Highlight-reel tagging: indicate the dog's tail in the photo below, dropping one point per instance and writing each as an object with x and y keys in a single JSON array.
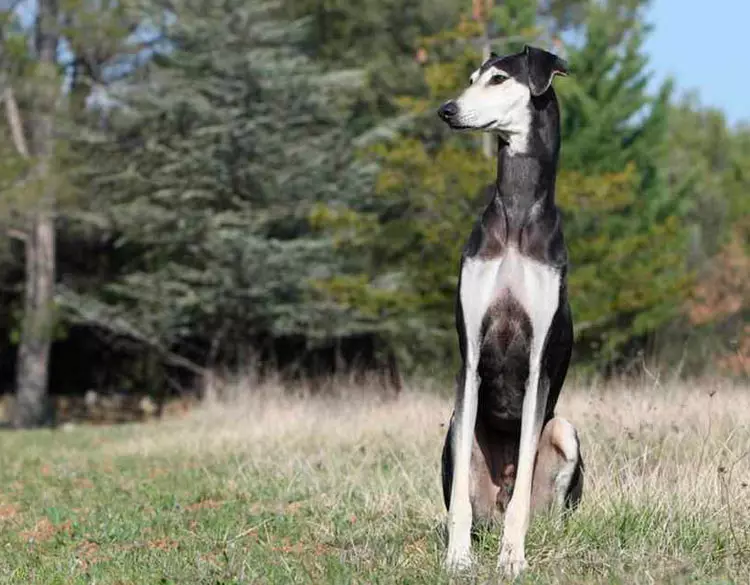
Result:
[{"x": 575, "y": 489}]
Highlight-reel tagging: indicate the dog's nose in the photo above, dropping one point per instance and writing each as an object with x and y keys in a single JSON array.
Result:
[{"x": 448, "y": 110}]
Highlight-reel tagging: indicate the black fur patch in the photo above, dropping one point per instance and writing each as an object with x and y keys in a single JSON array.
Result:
[{"x": 504, "y": 363}]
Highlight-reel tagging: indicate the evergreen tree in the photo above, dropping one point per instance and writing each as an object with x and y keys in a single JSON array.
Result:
[
  {"x": 624, "y": 224},
  {"x": 207, "y": 171},
  {"x": 382, "y": 38},
  {"x": 712, "y": 160},
  {"x": 409, "y": 235}
]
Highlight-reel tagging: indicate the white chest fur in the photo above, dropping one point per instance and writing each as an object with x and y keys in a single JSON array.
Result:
[{"x": 534, "y": 285}]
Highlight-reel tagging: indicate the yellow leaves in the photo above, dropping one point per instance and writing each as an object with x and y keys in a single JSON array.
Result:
[
  {"x": 358, "y": 293},
  {"x": 725, "y": 290},
  {"x": 322, "y": 216},
  {"x": 624, "y": 270},
  {"x": 481, "y": 9},
  {"x": 349, "y": 228},
  {"x": 443, "y": 79},
  {"x": 439, "y": 186},
  {"x": 597, "y": 193},
  {"x": 414, "y": 105},
  {"x": 404, "y": 168},
  {"x": 530, "y": 32},
  {"x": 453, "y": 55},
  {"x": 466, "y": 29}
]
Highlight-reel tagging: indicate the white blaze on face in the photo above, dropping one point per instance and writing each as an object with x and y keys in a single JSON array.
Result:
[{"x": 495, "y": 102}]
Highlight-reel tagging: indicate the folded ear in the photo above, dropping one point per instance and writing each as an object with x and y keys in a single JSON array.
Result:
[{"x": 542, "y": 67}]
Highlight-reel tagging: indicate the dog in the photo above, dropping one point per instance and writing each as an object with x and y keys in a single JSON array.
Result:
[{"x": 505, "y": 452}]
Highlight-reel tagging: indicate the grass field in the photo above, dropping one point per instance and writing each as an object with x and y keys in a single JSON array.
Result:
[{"x": 346, "y": 490}]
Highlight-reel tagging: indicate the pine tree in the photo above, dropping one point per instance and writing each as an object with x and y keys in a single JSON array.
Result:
[
  {"x": 379, "y": 36},
  {"x": 624, "y": 224},
  {"x": 408, "y": 236},
  {"x": 48, "y": 64},
  {"x": 207, "y": 171}
]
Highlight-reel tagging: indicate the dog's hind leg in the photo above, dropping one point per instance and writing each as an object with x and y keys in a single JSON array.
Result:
[
  {"x": 558, "y": 473},
  {"x": 491, "y": 476}
]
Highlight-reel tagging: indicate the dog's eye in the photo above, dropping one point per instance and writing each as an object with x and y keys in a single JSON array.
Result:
[{"x": 497, "y": 79}]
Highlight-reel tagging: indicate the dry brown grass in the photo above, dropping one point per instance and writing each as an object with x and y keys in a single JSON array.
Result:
[{"x": 680, "y": 449}]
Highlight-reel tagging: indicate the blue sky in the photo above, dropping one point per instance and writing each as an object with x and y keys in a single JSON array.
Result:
[{"x": 703, "y": 45}]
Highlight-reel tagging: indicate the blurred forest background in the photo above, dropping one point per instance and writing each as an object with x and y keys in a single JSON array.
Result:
[{"x": 190, "y": 186}]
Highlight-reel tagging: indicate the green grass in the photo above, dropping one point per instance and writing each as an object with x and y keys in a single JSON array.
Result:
[{"x": 274, "y": 490}]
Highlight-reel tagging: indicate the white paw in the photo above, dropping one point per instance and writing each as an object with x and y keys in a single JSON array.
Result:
[
  {"x": 511, "y": 562},
  {"x": 457, "y": 560}
]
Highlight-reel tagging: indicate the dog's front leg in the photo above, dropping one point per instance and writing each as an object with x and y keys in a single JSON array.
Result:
[
  {"x": 512, "y": 558},
  {"x": 459, "y": 512}
]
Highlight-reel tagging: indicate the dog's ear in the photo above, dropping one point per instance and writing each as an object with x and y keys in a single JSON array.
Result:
[
  {"x": 493, "y": 55},
  {"x": 542, "y": 67}
]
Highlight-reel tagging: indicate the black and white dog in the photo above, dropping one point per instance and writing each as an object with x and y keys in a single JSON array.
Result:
[{"x": 505, "y": 452}]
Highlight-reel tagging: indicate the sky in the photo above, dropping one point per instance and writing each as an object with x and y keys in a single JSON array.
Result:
[{"x": 703, "y": 45}]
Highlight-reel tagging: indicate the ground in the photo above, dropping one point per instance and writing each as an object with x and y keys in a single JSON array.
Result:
[{"x": 346, "y": 490}]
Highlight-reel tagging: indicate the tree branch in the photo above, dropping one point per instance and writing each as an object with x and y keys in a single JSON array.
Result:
[
  {"x": 18, "y": 235},
  {"x": 96, "y": 315},
  {"x": 15, "y": 123}
]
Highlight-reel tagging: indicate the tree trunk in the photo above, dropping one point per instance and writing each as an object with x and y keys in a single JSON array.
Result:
[{"x": 38, "y": 320}]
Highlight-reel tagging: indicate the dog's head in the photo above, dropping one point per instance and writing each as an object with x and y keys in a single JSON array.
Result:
[{"x": 500, "y": 92}]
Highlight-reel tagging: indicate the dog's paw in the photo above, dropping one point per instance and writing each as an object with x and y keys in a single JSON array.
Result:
[
  {"x": 458, "y": 561},
  {"x": 512, "y": 561}
]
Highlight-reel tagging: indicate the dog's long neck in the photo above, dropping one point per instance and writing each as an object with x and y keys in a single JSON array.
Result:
[{"x": 526, "y": 172}]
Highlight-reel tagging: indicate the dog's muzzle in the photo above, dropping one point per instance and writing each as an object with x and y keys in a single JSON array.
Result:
[{"x": 448, "y": 111}]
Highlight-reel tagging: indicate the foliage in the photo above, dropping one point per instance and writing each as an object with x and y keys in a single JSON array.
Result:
[
  {"x": 714, "y": 158},
  {"x": 412, "y": 242},
  {"x": 623, "y": 225},
  {"x": 378, "y": 37},
  {"x": 409, "y": 235},
  {"x": 230, "y": 140},
  {"x": 232, "y": 174}
]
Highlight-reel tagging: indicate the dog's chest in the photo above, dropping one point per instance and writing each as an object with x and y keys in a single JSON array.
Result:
[{"x": 534, "y": 286}]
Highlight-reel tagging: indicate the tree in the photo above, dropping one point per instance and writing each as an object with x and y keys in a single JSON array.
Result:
[
  {"x": 711, "y": 161},
  {"x": 409, "y": 234},
  {"x": 33, "y": 137},
  {"x": 43, "y": 95},
  {"x": 228, "y": 140},
  {"x": 380, "y": 37},
  {"x": 624, "y": 224}
]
